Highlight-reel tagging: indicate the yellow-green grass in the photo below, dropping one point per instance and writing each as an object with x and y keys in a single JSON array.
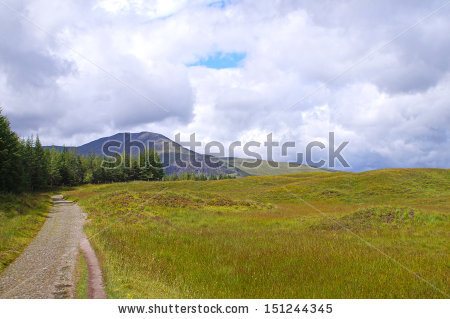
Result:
[
  {"x": 81, "y": 278},
  {"x": 21, "y": 218},
  {"x": 377, "y": 234}
]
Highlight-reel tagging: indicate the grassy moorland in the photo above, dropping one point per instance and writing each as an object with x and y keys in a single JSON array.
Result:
[
  {"x": 309, "y": 235},
  {"x": 21, "y": 218}
]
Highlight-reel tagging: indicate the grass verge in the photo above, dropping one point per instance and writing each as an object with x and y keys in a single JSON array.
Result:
[
  {"x": 81, "y": 278},
  {"x": 21, "y": 218}
]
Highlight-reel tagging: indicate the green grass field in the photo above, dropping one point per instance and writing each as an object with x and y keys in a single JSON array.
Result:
[
  {"x": 21, "y": 218},
  {"x": 377, "y": 234}
]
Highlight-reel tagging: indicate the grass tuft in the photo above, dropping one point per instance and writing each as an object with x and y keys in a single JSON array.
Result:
[{"x": 81, "y": 278}]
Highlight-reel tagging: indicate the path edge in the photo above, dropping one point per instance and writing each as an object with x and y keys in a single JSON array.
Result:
[{"x": 96, "y": 288}]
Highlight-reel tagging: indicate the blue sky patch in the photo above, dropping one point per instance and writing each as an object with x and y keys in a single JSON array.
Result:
[
  {"x": 218, "y": 4},
  {"x": 221, "y": 60}
]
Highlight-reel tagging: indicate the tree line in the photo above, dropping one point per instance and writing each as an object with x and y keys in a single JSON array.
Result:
[{"x": 26, "y": 166}]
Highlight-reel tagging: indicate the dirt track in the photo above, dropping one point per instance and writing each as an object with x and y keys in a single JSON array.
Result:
[{"x": 46, "y": 268}]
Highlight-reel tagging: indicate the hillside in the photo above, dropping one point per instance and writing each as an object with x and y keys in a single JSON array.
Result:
[{"x": 273, "y": 168}]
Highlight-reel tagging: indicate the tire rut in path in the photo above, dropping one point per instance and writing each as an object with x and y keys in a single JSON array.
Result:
[{"x": 46, "y": 268}]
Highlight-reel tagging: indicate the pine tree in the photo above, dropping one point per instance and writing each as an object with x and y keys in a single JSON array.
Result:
[
  {"x": 154, "y": 165},
  {"x": 39, "y": 173},
  {"x": 55, "y": 176},
  {"x": 63, "y": 167},
  {"x": 11, "y": 168}
]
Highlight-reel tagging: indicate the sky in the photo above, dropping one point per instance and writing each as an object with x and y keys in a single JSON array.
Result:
[{"x": 377, "y": 73}]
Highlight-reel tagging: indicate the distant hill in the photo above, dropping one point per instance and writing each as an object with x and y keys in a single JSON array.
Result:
[
  {"x": 225, "y": 165},
  {"x": 265, "y": 168}
]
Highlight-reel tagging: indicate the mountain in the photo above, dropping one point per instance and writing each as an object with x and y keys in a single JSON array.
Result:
[{"x": 171, "y": 152}]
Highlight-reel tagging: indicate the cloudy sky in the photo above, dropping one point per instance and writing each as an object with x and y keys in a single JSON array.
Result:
[{"x": 377, "y": 73}]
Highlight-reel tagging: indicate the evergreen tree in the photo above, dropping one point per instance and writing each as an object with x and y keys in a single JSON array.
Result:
[
  {"x": 145, "y": 169},
  {"x": 55, "y": 176},
  {"x": 155, "y": 164},
  {"x": 27, "y": 158},
  {"x": 11, "y": 169},
  {"x": 135, "y": 170},
  {"x": 39, "y": 173}
]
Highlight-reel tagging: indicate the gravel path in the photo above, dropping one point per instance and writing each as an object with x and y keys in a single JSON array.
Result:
[{"x": 46, "y": 268}]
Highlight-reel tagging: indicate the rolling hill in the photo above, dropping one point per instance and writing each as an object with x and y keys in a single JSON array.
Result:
[{"x": 271, "y": 168}]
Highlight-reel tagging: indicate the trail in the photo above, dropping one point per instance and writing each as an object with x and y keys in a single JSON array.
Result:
[{"x": 47, "y": 266}]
